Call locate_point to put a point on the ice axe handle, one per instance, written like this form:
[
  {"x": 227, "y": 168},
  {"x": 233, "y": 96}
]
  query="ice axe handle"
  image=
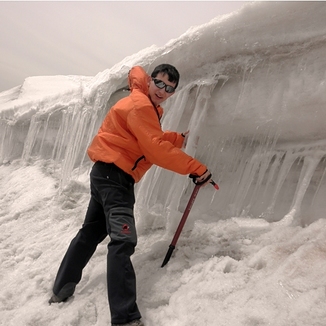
[
  {"x": 181, "y": 224},
  {"x": 184, "y": 218}
]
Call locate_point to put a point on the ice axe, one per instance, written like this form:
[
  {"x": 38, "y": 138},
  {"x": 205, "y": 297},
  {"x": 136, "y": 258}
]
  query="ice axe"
[{"x": 185, "y": 215}]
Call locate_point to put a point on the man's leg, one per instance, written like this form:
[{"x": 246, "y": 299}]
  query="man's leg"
[
  {"x": 80, "y": 251},
  {"x": 120, "y": 272},
  {"x": 116, "y": 190}
]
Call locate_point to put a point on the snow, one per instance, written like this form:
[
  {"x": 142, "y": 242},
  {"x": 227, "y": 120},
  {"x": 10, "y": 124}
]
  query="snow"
[{"x": 253, "y": 253}]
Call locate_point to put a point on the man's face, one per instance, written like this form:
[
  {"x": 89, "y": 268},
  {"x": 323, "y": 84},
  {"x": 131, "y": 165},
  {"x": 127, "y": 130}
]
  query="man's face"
[{"x": 159, "y": 95}]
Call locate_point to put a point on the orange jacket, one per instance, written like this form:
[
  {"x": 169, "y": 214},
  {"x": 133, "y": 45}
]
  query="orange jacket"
[{"x": 131, "y": 136}]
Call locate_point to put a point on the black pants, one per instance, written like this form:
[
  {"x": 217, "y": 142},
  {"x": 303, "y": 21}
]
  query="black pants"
[{"x": 110, "y": 212}]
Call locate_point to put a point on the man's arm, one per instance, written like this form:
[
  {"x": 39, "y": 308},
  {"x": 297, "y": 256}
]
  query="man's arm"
[
  {"x": 174, "y": 138},
  {"x": 143, "y": 123}
]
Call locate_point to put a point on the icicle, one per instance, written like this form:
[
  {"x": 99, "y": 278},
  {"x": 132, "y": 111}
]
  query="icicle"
[
  {"x": 309, "y": 167},
  {"x": 5, "y": 130},
  {"x": 34, "y": 128}
]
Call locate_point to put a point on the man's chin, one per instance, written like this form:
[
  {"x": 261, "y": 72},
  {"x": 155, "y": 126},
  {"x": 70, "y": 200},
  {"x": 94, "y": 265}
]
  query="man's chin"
[{"x": 157, "y": 101}]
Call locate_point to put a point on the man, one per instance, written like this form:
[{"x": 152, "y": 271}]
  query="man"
[{"x": 129, "y": 141}]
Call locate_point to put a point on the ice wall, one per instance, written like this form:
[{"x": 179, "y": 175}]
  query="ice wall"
[{"x": 252, "y": 94}]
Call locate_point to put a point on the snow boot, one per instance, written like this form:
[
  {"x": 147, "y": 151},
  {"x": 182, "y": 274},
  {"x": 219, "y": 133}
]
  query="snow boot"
[
  {"x": 63, "y": 295},
  {"x": 56, "y": 299}
]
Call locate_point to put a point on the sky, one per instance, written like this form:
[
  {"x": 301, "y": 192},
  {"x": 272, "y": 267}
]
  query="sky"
[{"x": 84, "y": 38}]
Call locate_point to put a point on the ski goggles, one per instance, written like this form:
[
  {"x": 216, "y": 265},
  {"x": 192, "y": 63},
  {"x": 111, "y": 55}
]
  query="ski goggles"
[{"x": 160, "y": 84}]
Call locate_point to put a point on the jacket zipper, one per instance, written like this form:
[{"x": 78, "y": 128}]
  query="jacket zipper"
[
  {"x": 156, "y": 111},
  {"x": 137, "y": 161}
]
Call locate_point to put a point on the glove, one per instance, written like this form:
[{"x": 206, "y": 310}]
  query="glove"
[{"x": 199, "y": 183}]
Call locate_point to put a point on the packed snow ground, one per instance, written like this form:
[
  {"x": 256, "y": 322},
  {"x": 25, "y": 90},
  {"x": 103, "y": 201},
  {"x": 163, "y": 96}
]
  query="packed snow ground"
[{"x": 238, "y": 271}]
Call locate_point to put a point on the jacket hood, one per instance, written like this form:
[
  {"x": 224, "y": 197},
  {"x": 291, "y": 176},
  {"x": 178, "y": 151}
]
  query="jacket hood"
[{"x": 138, "y": 79}]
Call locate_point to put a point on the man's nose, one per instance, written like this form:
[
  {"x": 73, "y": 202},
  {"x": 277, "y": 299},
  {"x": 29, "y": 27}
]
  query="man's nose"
[{"x": 162, "y": 92}]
